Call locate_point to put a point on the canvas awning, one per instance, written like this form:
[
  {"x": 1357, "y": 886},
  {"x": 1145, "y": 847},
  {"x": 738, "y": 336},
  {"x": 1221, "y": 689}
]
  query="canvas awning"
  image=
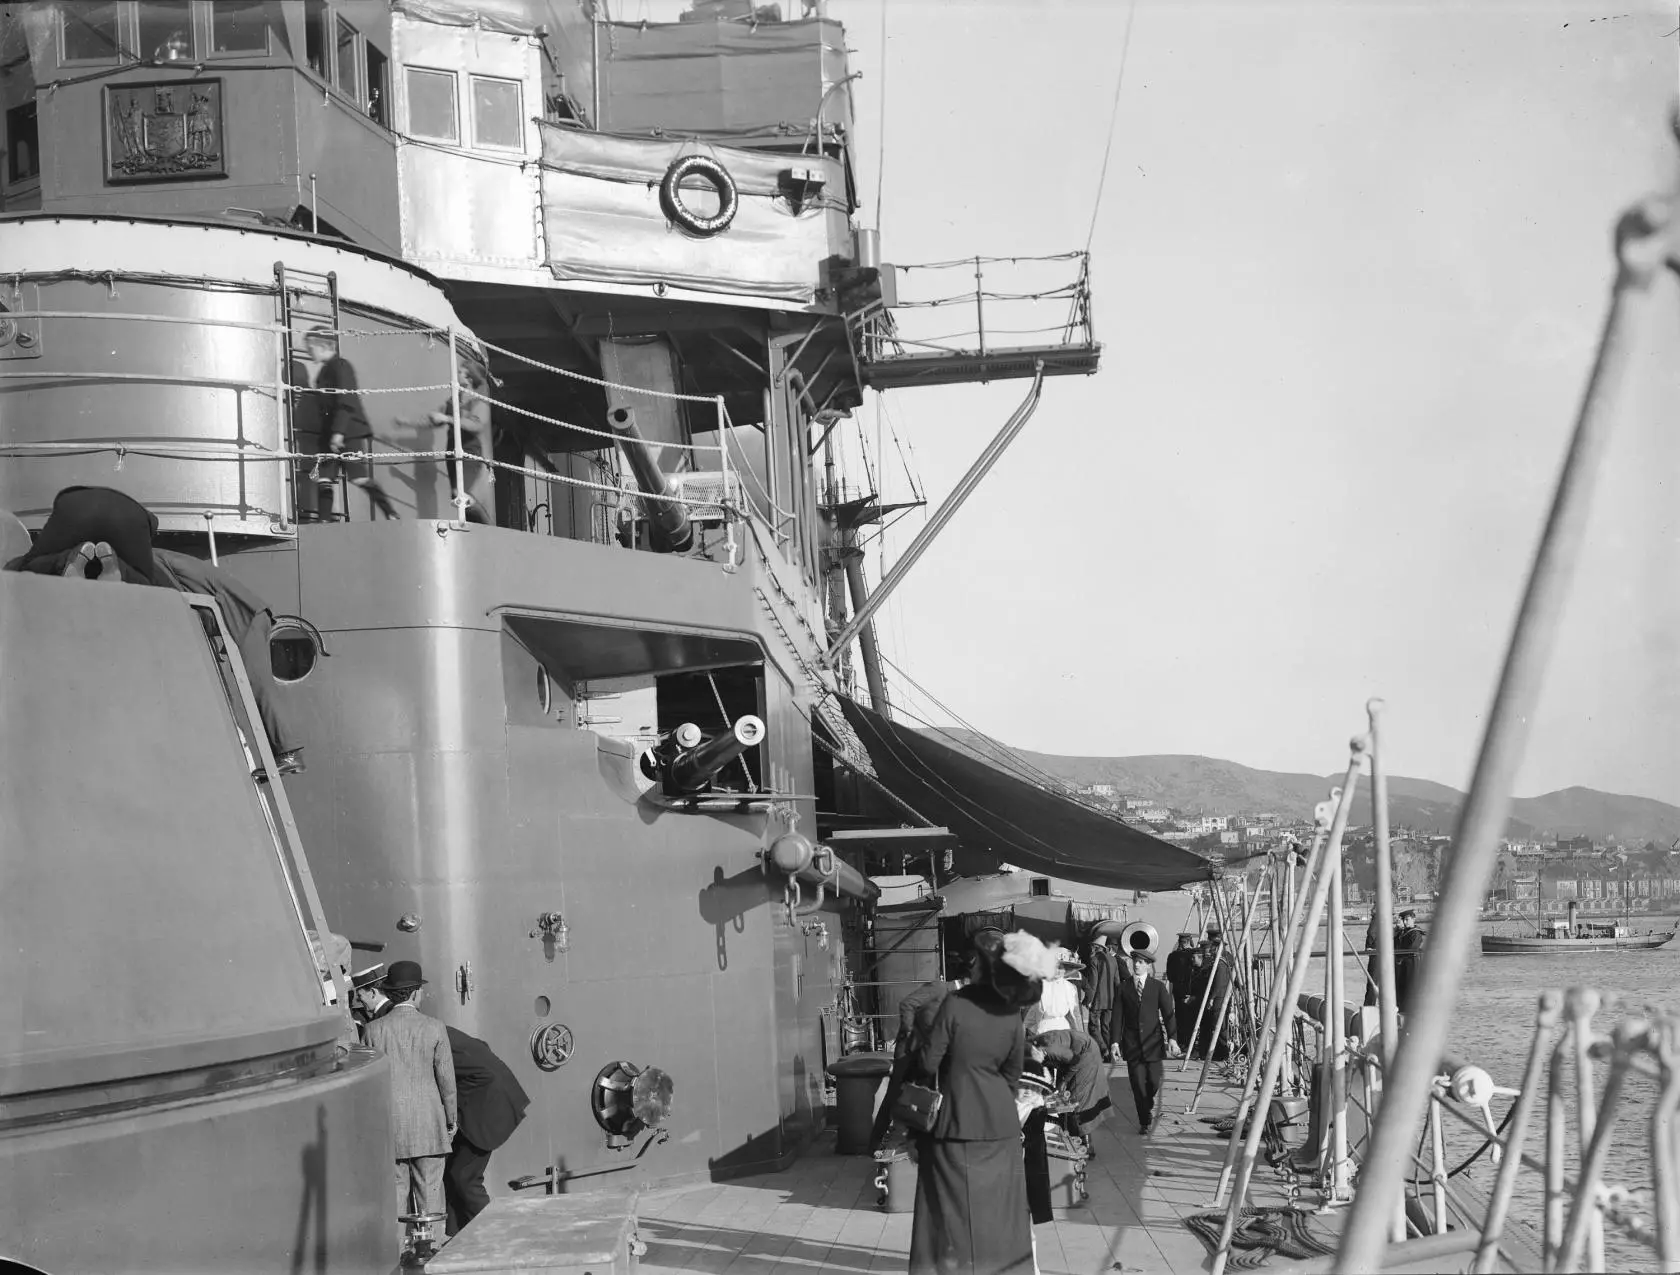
[{"x": 1010, "y": 819}]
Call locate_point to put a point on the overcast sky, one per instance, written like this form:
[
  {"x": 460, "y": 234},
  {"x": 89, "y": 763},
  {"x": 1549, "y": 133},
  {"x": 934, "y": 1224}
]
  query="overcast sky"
[{"x": 1350, "y": 266}]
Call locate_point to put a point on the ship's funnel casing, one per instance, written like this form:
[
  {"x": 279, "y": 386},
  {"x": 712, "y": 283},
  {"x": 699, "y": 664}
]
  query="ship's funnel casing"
[{"x": 198, "y": 407}]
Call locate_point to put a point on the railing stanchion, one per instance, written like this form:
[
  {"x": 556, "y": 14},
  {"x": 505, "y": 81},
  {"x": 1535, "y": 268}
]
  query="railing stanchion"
[
  {"x": 1207, "y": 988},
  {"x": 1556, "y": 1132},
  {"x": 1663, "y": 1151},
  {"x": 1286, "y": 1004},
  {"x": 1224, "y": 1003},
  {"x": 1580, "y": 1004},
  {"x": 461, "y": 497}
]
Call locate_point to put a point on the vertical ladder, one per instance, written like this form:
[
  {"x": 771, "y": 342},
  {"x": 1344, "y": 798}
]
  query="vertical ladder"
[{"x": 308, "y": 300}]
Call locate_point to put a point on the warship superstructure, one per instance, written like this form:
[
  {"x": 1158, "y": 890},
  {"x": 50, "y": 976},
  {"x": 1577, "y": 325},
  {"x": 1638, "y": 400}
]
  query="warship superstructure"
[{"x": 581, "y": 729}]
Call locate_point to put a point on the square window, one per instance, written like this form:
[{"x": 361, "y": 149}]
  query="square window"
[
  {"x": 315, "y": 36},
  {"x": 238, "y": 26},
  {"x": 90, "y": 32},
  {"x": 166, "y": 31},
  {"x": 23, "y": 144},
  {"x": 348, "y": 79},
  {"x": 496, "y": 113},
  {"x": 431, "y": 104},
  {"x": 378, "y": 87}
]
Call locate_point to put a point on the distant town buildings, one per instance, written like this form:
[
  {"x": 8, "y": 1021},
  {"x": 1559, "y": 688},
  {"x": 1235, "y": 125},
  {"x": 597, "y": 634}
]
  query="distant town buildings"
[{"x": 1534, "y": 873}]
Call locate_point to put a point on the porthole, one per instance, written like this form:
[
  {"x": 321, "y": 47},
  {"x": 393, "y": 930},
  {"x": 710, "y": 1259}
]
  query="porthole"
[
  {"x": 293, "y": 649},
  {"x": 542, "y": 1007},
  {"x": 627, "y": 1099},
  {"x": 545, "y": 689}
]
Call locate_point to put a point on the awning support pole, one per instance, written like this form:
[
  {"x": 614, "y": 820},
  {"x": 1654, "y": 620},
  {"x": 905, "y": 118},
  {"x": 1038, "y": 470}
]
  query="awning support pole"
[{"x": 945, "y": 513}]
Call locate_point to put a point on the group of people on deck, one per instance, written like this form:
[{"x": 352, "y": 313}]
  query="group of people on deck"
[
  {"x": 453, "y": 1101},
  {"x": 1015, "y": 1009}
]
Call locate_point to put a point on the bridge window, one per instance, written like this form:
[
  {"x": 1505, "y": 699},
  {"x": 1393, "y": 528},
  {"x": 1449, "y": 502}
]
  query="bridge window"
[
  {"x": 89, "y": 32},
  {"x": 166, "y": 31},
  {"x": 238, "y": 26},
  {"x": 23, "y": 144},
  {"x": 348, "y": 66},
  {"x": 431, "y": 105},
  {"x": 378, "y": 86},
  {"x": 497, "y": 118},
  {"x": 1040, "y": 887},
  {"x": 315, "y": 36}
]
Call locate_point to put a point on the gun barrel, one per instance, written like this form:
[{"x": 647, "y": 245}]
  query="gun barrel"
[
  {"x": 693, "y": 768},
  {"x": 672, "y": 530}
]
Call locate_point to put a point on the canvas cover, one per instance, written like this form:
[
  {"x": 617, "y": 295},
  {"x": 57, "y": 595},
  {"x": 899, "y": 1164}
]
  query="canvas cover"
[
  {"x": 602, "y": 219},
  {"x": 1010, "y": 819},
  {"x": 761, "y": 79}
]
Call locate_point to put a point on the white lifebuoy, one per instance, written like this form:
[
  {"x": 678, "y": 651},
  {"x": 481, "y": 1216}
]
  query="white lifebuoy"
[{"x": 715, "y": 175}]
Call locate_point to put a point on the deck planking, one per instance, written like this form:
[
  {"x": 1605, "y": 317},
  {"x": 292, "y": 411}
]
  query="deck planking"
[{"x": 821, "y": 1214}]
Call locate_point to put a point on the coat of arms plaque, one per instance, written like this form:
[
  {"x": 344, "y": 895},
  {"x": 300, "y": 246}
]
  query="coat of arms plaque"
[{"x": 163, "y": 131}]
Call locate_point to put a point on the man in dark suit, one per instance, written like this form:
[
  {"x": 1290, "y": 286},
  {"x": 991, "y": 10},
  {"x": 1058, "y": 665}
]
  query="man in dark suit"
[
  {"x": 491, "y": 1105},
  {"x": 1147, "y": 1025},
  {"x": 1218, "y": 967},
  {"x": 1099, "y": 996},
  {"x": 1181, "y": 977},
  {"x": 1408, "y": 955}
]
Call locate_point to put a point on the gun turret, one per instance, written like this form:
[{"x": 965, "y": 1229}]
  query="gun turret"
[
  {"x": 691, "y": 770},
  {"x": 672, "y": 531}
]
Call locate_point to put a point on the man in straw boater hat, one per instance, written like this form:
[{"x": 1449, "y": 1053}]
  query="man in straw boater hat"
[
  {"x": 1146, "y": 1031},
  {"x": 422, "y": 1090}
]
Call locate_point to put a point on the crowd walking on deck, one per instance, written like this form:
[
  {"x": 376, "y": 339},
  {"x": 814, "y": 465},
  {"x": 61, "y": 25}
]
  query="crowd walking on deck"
[{"x": 1014, "y": 1047}]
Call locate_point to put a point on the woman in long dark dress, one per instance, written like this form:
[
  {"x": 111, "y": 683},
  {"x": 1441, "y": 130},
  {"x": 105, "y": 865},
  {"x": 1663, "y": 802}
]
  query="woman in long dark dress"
[{"x": 971, "y": 1188}]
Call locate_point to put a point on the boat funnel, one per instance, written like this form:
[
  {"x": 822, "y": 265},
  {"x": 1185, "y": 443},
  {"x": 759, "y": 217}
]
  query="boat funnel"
[{"x": 1574, "y": 913}]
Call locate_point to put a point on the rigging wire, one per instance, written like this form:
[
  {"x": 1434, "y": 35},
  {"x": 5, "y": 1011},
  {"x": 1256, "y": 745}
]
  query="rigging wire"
[
  {"x": 1008, "y": 756},
  {"x": 1113, "y": 116},
  {"x": 881, "y": 120}
]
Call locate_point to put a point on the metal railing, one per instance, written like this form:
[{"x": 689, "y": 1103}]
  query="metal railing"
[
  {"x": 732, "y": 500},
  {"x": 884, "y": 332}
]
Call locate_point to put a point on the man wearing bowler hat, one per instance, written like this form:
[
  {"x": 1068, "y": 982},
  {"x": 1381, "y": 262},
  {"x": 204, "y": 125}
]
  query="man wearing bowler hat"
[
  {"x": 492, "y": 1104},
  {"x": 422, "y": 1089}
]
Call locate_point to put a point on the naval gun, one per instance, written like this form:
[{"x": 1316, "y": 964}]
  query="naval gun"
[
  {"x": 685, "y": 762},
  {"x": 672, "y": 531}
]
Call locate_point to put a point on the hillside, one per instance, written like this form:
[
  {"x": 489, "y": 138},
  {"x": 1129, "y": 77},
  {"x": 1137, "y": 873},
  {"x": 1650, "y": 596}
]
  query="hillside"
[{"x": 1209, "y": 785}]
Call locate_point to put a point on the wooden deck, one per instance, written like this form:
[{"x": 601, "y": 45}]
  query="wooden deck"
[{"x": 821, "y": 1214}]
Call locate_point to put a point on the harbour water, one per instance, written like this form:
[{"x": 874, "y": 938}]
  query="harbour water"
[{"x": 1493, "y": 1025}]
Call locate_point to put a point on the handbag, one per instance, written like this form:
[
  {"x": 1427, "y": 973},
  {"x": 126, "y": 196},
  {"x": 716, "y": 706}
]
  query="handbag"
[{"x": 918, "y": 1107}]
